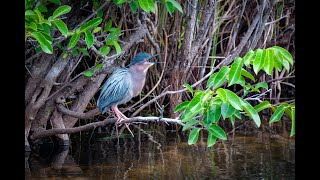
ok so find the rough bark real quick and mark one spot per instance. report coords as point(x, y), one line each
point(50, 92)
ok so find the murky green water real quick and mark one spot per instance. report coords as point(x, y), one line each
point(168, 156)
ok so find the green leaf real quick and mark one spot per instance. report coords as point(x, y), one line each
point(211, 79)
point(42, 8)
point(263, 105)
point(217, 132)
point(233, 99)
point(46, 28)
point(73, 41)
point(113, 29)
point(47, 36)
point(288, 110)
point(194, 103)
point(281, 60)
point(62, 27)
point(40, 18)
point(134, 6)
point(30, 13)
point(65, 55)
point(108, 25)
point(90, 24)
point(241, 81)
point(222, 94)
point(88, 73)
point(247, 74)
point(33, 26)
point(44, 21)
point(151, 5)
point(113, 36)
point(261, 84)
point(216, 101)
point(176, 5)
point(276, 116)
point(258, 61)
point(56, 2)
point(248, 58)
point(61, 11)
point(105, 50)
point(188, 116)
point(251, 112)
point(211, 140)
point(197, 92)
point(169, 6)
point(188, 87)
point(97, 29)
point(214, 113)
point(235, 71)
point(144, 5)
point(44, 44)
point(268, 61)
point(89, 38)
point(286, 65)
point(74, 52)
point(196, 108)
point(99, 13)
point(232, 119)
point(207, 95)
point(193, 136)
point(189, 124)
point(220, 77)
point(284, 53)
point(227, 110)
point(181, 106)
point(277, 60)
point(293, 123)
point(119, 1)
point(117, 46)
point(237, 114)
point(99, 66)
point(84, 51)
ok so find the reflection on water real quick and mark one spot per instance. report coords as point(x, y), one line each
point(168, 156)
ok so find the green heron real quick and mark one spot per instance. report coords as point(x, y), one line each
point(124, 84)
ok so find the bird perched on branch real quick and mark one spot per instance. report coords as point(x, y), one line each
point(124, 84)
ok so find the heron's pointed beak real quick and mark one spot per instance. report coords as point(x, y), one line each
point(155, 62)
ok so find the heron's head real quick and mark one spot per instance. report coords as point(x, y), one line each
point(143, 61)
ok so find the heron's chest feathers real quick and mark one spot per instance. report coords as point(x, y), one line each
point(138, 79)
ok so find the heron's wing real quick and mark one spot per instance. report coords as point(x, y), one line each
point(114, 90)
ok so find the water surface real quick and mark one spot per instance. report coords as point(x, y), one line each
point(155, 155)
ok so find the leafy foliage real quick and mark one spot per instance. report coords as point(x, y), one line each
point(149, 5)
point(40, 22)
point(206, 108)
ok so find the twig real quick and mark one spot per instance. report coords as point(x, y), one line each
point(290, 101)
point(276, 20)
point(28, 71)
point(287, 77)
point(289, 84)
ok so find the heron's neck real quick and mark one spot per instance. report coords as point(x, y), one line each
point(138, 71)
